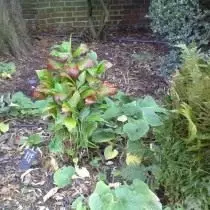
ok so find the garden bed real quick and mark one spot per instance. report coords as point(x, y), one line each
point(134, 71)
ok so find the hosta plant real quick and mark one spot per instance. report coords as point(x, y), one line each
point(72, 80)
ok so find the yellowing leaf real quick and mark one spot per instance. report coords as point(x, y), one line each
point(133, 159)
point(4, 127)
point(70, 123)
point(109, 153)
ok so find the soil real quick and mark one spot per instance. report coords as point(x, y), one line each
point(134, 70)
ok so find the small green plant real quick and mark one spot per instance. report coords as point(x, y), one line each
point(63, 176)
point(7, 69)
point(136, 196)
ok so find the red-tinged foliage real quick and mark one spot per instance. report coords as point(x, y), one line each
point(53, 65)
point(90, 100)
point(110, 88)
point(73, 71)
point(38, 95)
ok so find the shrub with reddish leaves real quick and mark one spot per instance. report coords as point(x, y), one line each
point(72, 80)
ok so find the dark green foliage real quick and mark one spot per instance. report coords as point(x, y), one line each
point(180, 21)
point(169, 63)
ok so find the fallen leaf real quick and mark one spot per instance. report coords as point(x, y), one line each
point(52, 192)
point(109, 153)
point(82, 172)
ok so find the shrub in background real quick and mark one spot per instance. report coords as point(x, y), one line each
point(180, 21)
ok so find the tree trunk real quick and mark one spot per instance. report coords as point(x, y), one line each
point(13, 33)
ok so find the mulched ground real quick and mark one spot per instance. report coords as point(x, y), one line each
point(134, 70)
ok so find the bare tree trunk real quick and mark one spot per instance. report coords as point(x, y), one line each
point(98, 33)
point(13, 33)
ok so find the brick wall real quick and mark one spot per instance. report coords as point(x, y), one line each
point(70, 15)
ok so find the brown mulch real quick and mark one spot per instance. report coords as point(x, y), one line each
point(134, 70)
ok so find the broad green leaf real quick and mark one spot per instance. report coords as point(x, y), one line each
point(136, 129)
point(147, 198)
point(109, 153)
point(74, 100)
point(81, 79)
point(112, 112)
point(4, 127)
point(149, 108)
point(103, 135)
point(78, 204)
point(45, 77)
point(92, 55)
point(100, 68)
point(22, 101)
point(95, 202)
point(151, 117)
point(84, 113)
point(63, 176)
point(56, 145)
point(132, 109)
point(34, 140)
point(70, 123)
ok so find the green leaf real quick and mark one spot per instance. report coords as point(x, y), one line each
point(78, 204)
point(131, 109)
point(70, 123)
point(149, 109)
point(34, 140)
point(4, 127)
point(45, 78)
point(56, 145)
point(92, 55)
point(103, 135)
point(74, 100)
point(81, 79)
point(109, 153)
point(112, 112)
point(84, 113)
point(136, 129)
point(22, 101)
point(63, 176)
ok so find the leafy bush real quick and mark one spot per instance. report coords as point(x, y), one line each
point(72, 81)
point(184, 139)
point(180, 21)
point(136, 196)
